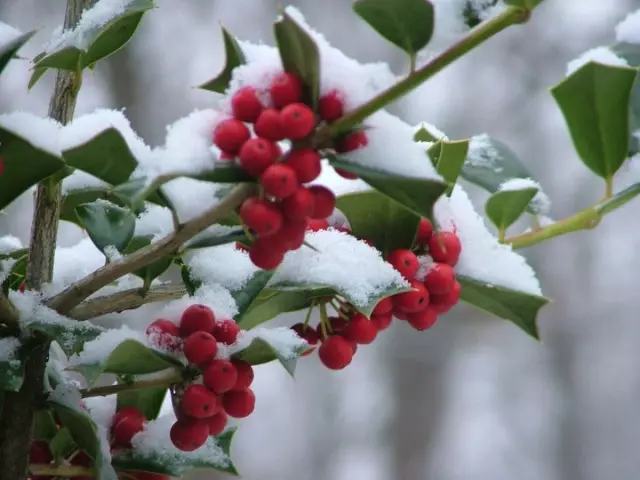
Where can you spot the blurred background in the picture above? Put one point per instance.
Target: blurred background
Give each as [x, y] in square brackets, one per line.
[473, 398]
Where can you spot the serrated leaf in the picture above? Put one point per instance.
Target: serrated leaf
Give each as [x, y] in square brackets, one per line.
[250, 291]
[136, 191]
[148, 401]
[25, 164]
[84, 432]
[408, 24]
[595, 103]
[260, 351]
[519, 307]
[62, 444]
[505, 207]
[379, 219]
[416, 194]
[9, 50]
[106, 156]
[300, 56]
[73, 198]
[234, 58]
[70, 335]
[178, 463]
[450, 160]
[212, 239]
[108, 225]
[153, 270]
[190, 283]
[631, 53]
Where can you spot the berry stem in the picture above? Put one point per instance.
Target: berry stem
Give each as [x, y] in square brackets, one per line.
[608, 193]
[308, 316]
[60, 470]
[171, 377]
[324, 320]
[510, 16]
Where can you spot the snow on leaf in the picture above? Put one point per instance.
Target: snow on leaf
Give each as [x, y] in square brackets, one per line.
[602, 55]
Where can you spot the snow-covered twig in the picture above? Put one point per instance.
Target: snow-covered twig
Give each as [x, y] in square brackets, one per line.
[126, 300]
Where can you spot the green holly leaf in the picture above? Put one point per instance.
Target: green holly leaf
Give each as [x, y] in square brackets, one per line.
[300, 56]
[106, 156]
[9, 50]
[25, 165]
[271, 303]
[62, 444]
[190, 283]
[261, 351]
[74, 198]
[408, 24]
[71, 334]
[107, 224]
[449, 158]
[505, 207]
[153, 270]
[379, 219]
[424, 135]
[631, 53]
[519, 307]
[148, 401]
[216, 455]
[14, 254]
[416, 194]
[248, 294]
[595, 103]
[234, 58]
[213, 238]
[138, 190]
[45, 427]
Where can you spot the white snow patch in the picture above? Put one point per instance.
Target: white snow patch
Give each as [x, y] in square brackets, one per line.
[284, 340]
[73, 263]
[5, 268]
[602, 55]
[43, 133]
[80, 180]
[9, 243]
[155, 221]
[214, 296]
[426, 262]
[67, 395]
[343, 262]
[8, 34]
[628, 30]
[223, 265]
[540, 203]
[339, 185]
[99, 349]
[482, 153]
[483, 257]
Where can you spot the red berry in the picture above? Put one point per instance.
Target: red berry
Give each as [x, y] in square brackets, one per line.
[290, 236]
[425, 230]
[423, 320]
[269, 125]
[413, 301]
[335, 352]
[220, 376]
[308, 334]
[217, 423]
[196, 318]
[137, 475]
[164, 333]
[345, 174]
[360, 330]
[445, 247]
[256, 155]
[444, 303]
[261, 216]
[265, 255]
[330, 107]
[226, 157]
[22, 286]
[198, 401]
[324, 201]
[352, 141]
[230, 135]
[298, 121]
[240, 246]
[317, 224]
[200, 348]
[40, 452]
[1, 165]
[245, 105]
[82, 459]
[382, 321]
[399, 314]
[383, 306]
[226, 331]
[306, 162]
[126, 429]
[279, 181]
[239, 403]
[245, 375]
[439, 279]
[285, 90]
[405, 262]
[125, 412]
[299, 205]
[189, 434]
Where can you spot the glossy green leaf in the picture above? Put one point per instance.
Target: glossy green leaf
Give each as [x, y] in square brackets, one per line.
[450, 160]
[408, 24]
[153, 270]
[300, 56]
[505, 207]
[595, 103]
[84, 432]
[519, 307]
[108, 225]
[271, 303]
[249, 293]
[148, 401]
[177, 464]
[16, 275]
[416, 194]
[379, 219]
[136, 191]
[14, 254]
[74, 198]
[25, 164]
[38, 72]
[631, 53]
[9, 50]
[71, 335]
[106, 156]
[62, 444]
[619, 199]
[260, 351]
[212, 238]
[190, 283]
[424, 135]
[45, 427]
[234, 58]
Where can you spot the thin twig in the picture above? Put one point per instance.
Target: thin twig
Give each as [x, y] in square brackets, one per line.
[171, 377]
[126, 300]
[66, 300]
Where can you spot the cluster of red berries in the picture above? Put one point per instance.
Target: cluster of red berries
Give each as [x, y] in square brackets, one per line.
[439, 291]
[286, 207]
[222, 387]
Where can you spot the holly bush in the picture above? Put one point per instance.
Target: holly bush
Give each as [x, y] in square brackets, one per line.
[298, 193]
